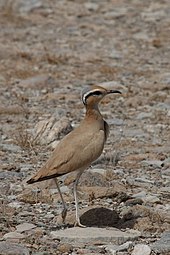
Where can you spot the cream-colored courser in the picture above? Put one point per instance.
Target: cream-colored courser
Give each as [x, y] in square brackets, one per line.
[77, 150]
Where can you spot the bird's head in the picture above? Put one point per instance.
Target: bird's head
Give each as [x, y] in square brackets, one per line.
[94, 94]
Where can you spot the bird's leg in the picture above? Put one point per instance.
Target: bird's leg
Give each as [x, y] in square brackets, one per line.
[77, 223]
[64, 211]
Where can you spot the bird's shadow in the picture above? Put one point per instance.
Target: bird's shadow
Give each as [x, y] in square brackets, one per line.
[103, 217]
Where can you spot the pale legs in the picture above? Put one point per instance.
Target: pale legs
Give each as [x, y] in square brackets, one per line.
[77, 223]
[64, 211]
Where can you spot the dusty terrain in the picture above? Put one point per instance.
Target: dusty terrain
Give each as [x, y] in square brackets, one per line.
[49, 51]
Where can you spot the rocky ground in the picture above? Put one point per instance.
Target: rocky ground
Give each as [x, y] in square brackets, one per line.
[49, 51]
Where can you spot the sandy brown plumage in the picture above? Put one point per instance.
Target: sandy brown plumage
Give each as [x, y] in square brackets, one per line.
[77, 150]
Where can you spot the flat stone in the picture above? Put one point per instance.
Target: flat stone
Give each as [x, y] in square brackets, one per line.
[93, 235]
[91, 6]
[151, 199]
[134, 201]
[7, 248]
[162, 106]
[115, 121]
[141, 249]
[10, 147]
[162, 245]
[166, 173]
[144, 115]
[141, 194]
[152, 163]
[113, 249]
[24, 227]
[101, 192]
[165, 192]
[142, 179]
[8, 175]
[13, 235]
[167, 160]
[35, 82]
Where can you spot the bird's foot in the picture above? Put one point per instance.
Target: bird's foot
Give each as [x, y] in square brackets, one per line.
[64, 214]
[78, 224]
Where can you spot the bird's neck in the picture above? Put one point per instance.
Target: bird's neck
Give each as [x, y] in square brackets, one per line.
[93, 112]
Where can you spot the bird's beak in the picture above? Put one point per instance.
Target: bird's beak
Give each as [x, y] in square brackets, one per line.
[113, 91]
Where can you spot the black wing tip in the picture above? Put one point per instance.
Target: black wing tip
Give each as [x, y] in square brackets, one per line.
[30, 181]
[44, 178]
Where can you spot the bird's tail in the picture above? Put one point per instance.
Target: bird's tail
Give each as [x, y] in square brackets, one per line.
[30, 181]
[37, 178]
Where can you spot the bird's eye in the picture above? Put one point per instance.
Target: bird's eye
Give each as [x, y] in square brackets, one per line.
[96, 93]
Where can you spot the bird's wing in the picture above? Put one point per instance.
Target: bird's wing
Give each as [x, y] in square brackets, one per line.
[72, 153]
[106, 128]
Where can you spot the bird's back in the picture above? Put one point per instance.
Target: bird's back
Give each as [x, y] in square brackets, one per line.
[76, 150]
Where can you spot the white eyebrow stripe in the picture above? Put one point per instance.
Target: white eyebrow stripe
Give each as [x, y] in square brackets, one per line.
[87, 93]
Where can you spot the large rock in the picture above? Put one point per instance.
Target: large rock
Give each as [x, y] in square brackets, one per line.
[7, 248]
[49, 130]
[103, 192]
[163, 245]
[35, 195]
[93, 235]
[93, 216]
[142, 218]
[141, 249]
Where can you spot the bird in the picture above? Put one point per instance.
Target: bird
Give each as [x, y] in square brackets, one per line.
[78, 149]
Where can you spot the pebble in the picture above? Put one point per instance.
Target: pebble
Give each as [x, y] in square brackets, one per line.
[134, 201]
[35, 82]
[141, 194]
[142, 179]
[7, 175]
[140, 182]
[10, 147]
[99, 170]
[91, 6]
[113, 249]
[152, 163]
[115, 121]
[13, 235]
[65, 247]
[144, 115]
[141, 249]
[167, 163]
[23, 6]
[15, 204]
[162, 106]
[49, 216]
[165, 191]
[24, 227]
[151, 199]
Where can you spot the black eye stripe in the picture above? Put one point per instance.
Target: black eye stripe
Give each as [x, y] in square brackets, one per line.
[96, 93]
[92, 93]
